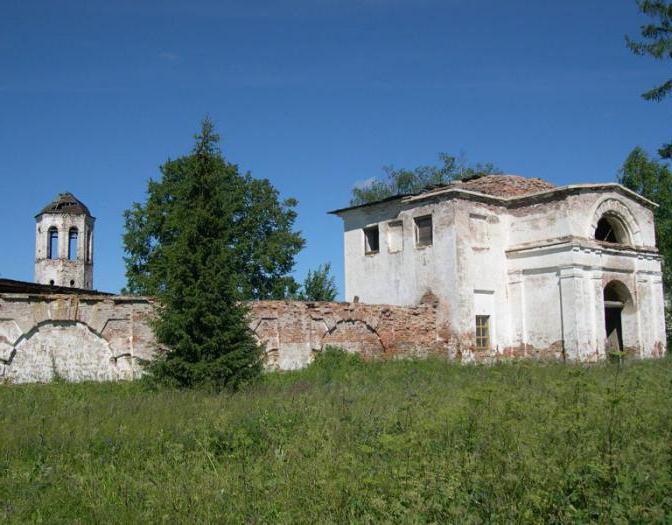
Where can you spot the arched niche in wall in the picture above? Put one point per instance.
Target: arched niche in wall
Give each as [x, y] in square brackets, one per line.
[612, 221]
[354, 336]
[67, 349]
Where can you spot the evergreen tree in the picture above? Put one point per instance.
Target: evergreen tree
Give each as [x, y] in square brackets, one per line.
[259, 230]
[201, 245]
[319, 285]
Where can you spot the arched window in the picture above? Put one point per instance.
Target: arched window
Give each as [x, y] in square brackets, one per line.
[52, 243]
[611, 229]
[72, 244]
[89, 246]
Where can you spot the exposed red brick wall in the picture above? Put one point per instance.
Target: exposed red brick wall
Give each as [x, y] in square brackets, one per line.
[293, 331]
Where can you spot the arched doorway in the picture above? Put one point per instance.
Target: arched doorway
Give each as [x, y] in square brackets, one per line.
[619, 318]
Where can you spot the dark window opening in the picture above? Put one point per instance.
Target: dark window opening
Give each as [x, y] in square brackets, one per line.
[616, 302]
[88, 246]
[371, 240]
[72, 282]
[72, 244]
[613, 328]
[482, 332]
[423, 231]
[51, 282]
[52, 244]
[610, 229]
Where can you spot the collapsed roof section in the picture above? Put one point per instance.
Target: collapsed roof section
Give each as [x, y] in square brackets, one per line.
[66, 203]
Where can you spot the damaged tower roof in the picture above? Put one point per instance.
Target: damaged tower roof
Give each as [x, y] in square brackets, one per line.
[66, 203]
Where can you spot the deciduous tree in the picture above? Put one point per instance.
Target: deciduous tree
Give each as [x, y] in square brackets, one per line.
[657, 43]
[319, 285]
[653, 179]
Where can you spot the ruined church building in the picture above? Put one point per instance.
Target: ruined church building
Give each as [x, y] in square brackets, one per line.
[488, 268]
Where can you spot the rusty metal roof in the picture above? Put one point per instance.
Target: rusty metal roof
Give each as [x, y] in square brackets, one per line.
[66, 203]
[11, 286]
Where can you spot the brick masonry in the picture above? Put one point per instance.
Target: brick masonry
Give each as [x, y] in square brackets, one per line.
[89, 337]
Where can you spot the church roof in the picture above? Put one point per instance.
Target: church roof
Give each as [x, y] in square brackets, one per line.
[504, 185]
[66, 203]
[503, 188]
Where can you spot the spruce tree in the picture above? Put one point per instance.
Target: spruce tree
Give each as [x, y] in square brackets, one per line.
[188, 245]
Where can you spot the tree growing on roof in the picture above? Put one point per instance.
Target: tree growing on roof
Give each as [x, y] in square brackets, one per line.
[207, 238]
[407, 181]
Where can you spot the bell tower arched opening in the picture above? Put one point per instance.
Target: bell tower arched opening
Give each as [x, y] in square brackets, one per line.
[610, 228]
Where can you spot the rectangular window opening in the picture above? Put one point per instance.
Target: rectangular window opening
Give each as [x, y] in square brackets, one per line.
[423, 231]
[482, 332]
[371, 240]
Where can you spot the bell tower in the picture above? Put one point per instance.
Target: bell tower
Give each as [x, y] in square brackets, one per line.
[64, 243]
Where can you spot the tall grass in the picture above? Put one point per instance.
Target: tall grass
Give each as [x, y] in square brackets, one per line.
[347, 441]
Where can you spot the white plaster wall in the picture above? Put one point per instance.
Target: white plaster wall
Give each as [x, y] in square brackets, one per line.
[68, 350]
[538, 222]
[481, 271]
[399, 277]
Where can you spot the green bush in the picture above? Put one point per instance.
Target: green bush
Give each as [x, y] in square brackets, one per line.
[348, 441]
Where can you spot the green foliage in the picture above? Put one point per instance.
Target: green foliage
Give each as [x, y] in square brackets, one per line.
[657, 42]
[404, 182]
[653, 180]
[333, 364]
[348, 442]
[190, 245]
[319, 285]
[242, 215]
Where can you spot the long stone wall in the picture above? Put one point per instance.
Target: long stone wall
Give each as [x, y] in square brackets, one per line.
[82, 337]
[93, 337]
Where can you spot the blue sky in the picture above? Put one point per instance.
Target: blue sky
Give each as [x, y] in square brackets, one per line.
[313, 95]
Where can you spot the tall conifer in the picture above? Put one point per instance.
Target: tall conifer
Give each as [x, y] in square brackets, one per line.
[191, 245]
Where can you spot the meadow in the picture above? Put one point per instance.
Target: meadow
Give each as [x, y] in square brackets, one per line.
[345, 441]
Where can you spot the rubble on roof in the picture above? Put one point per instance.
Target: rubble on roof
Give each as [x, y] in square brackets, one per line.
[66, 203]
[505, 185]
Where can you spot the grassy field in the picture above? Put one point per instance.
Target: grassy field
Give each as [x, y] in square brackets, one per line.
[344, 441]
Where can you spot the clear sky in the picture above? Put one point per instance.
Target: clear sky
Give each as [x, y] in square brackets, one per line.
[314, 95]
